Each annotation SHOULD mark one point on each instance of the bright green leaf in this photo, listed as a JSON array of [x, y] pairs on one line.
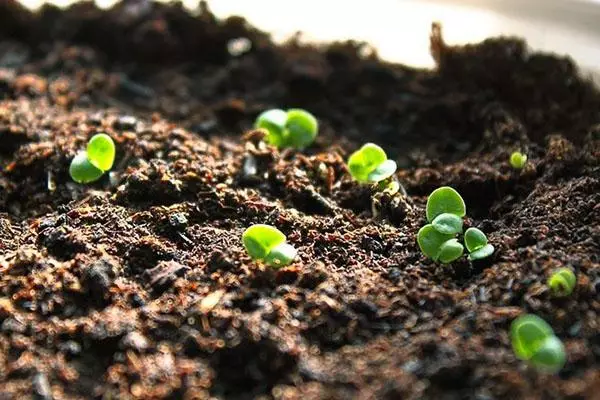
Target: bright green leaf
[[550, 356], [281, 255], [260, 239], [301, 128], [383, 171], [562, 282], [366, 161], [82, 171], [482, 253], [430, 241], [528, 333], [101, 151], [475, 239], [518, 160], [447, 223], [450, 251], [445, 200], [273, 121]]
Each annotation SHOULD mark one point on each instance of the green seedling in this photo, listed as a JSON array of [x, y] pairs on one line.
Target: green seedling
[[370, 164], [477, 244], [445, 200], [562, 282], [101, 151], [292, 128], [89, 166], [82, 170], [437, 240], [533, 340], [517, 160], [267, 243]]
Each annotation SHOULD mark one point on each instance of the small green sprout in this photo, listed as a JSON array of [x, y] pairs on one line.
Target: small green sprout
[[533, 340], [82, 170], [370, 164], [267, 243], [292, 128], [517, 160], [89, 166], [437, 240], [562, 282], [477, 244], [101, 151]]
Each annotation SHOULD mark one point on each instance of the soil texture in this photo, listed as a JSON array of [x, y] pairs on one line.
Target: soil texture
[[137, 286]]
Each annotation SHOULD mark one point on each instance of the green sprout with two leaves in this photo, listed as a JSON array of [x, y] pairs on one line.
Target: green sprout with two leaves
[[438, 239], [295, 127], [267, 243], [370, 164], [517, 160], [533, 340], [562, 282], [89, 165]]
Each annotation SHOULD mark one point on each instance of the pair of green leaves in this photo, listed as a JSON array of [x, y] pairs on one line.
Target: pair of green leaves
[[517, 160], [562, 282], [267, 243], [533, 340], [295, 127], [370, 164], [437, 240], [89, 165]]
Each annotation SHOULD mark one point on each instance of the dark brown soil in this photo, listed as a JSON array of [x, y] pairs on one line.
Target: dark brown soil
[[138, 286]]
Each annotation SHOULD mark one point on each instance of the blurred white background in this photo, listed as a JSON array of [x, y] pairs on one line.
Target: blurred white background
[[399, 29]]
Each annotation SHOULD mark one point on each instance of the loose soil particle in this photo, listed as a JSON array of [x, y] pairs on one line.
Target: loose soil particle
[[138, 286]]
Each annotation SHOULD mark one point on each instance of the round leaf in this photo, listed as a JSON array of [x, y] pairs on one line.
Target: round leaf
[[302, 128], [447, 223], [365, 160], [450, 250], [445, 200], [550, 356], [383, 171], [474, 239], [430, 241], [101, 151], [527, 335], [273, 121], [481, 253], [562, 282], [518, 160], [281, 255], [82, 171], [260, 239]]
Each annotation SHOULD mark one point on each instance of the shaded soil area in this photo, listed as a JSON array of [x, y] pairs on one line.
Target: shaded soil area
[[137, 286]]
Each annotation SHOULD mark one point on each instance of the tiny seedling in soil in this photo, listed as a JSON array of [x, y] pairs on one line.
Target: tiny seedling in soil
[[517, 160], [89, 166], [370, 164], [267, 243], [437, 240], [533, 340], [82, 170], [562, 282], [477, 244], [101, 151], [292, 128]]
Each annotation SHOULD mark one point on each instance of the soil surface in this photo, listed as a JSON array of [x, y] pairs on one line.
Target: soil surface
[[137, 286]]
